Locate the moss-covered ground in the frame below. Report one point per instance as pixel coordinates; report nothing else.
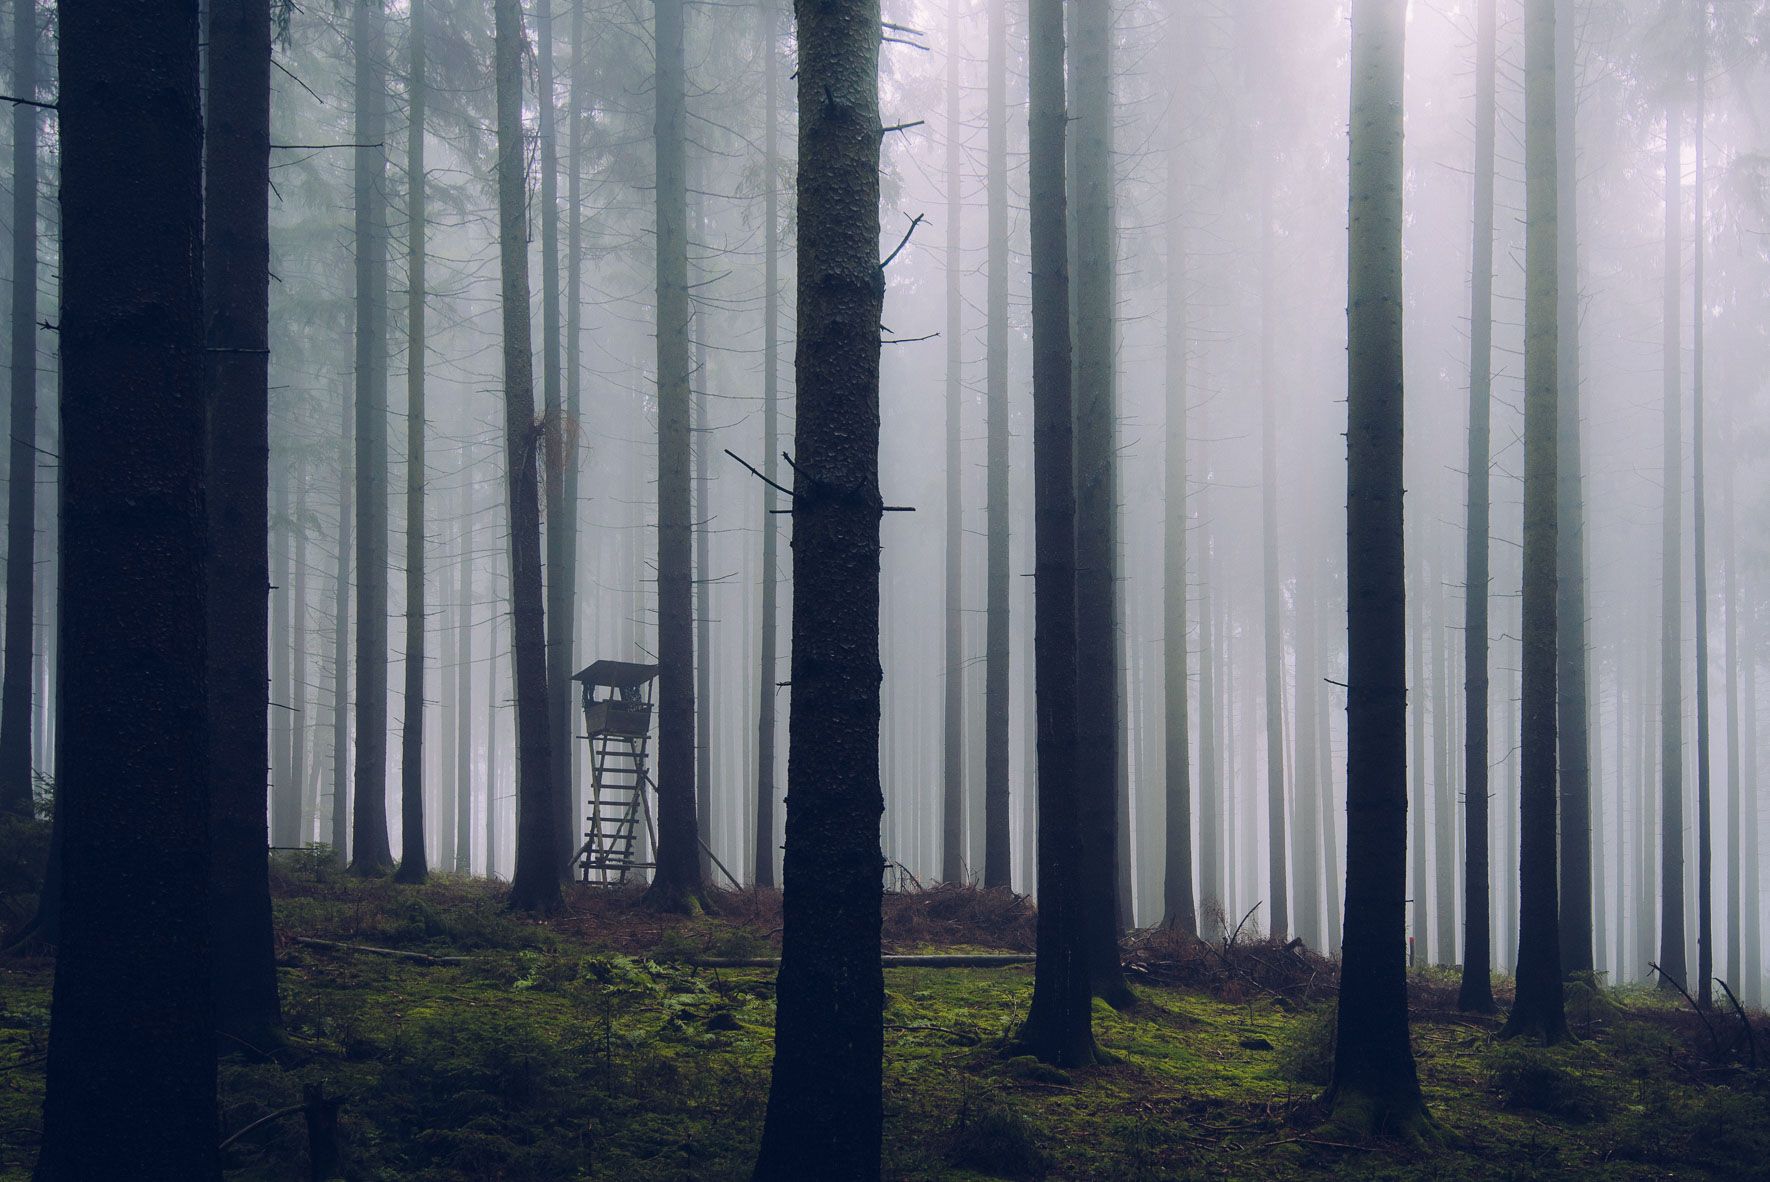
(588, 1048)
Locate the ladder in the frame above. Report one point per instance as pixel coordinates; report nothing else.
(620, 783)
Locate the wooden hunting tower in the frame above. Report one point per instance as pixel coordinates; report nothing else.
(617, 722)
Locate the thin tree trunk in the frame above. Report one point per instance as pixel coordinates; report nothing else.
(1705, 928)
(341, 646)
(1212, 894)
(534, 887)
(236, 534)
(303, 728)
(1374, 1082)
(1330, 841)
(562, 530)
(1730, 643)
(952, 777)
(464, 704)
(1272, 629)
(1671, 643)
(703, 572)
(370, 853)
(1751, 920)
(1420, 949)
(1444, 825)
(131, 1074)
(16, 781)
(1306, 856)
(998, 854)
(677, 884)
(825, 1103)
(766, 724)
(412, 864)
(1476, 991)
(1538, 1011)
(1178, 910)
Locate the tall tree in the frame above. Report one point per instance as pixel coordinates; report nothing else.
(1272, 630)
(1730, 604)
(131, 1070)
(370, 852)
(677, 884)
(562, 530)
(412, 864)
(998, 854)
(1705, 928)
(1538, 1012)
(1374, 1082)
(1671, 637)
(464, 704)
(825, 1101)
(16, 782)
(766, 724)
(1098, 676)
(952, 735)
(1476, 991)
(1573, 734)
(236, 280)
(1059, 1026)
(1178, 910)
(535, 884)
(339, 833)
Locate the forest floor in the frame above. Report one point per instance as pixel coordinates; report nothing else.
(589, 1047)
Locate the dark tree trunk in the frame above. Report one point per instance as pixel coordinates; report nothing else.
(1705, 928)
(1059, 1026)
(370, 852)
(1374, 1084)
(825, 1112)
(1574, 738)
(1476, 992)
(307, 789)
(677, 884)
(341, 647)
(1671, 638)
(766, 725)
(1538, 1011)
(16, 781)
(1730, 603)
(1098, 689)
(998, 855)
(1177, 899)
(412, 864)
(285, 795)
(131, 1081)
(236, 279)
(952, 732)
(534, 886)
(703, 571)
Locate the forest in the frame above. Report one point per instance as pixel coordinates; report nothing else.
(937, 589)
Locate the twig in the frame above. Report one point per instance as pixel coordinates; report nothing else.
(765, 480)
(263, 1120)
(898, 249)
(1679, 986)
(370, 950)
(1751, 1038)
(16, 101)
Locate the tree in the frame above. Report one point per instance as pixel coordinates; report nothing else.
(16, 782)
(1272, 630)
(952, 734)
(677, 884)
(412, 866)
(236, 280)
(1538, 1011)
(1476, 991)
(370, 853)
(1374, 1083)
(766, 724)
(341, 647)
(1671, 637)
(1705, 928)
(825, 1101)
(562, 529)
(998, 856)
(1574, 738)
(1098, 678)
(534, 886)
(131, 1072)
(1058, 1027)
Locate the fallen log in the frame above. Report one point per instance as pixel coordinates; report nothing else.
(982, 960)
(370, 950)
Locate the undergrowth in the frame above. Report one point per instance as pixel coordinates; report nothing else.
(590, 1047)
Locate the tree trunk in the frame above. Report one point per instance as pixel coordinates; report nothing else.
(464, 702)
(1730, 644)
(703, 569)
(1475, 994)
(1272, 629)
(562, 530)
(1538, 1012)
(1420, 948)
(1058, 1027)
(1444, 824)
(998, 857)
(300, 729)
(285, 796)
(1177, 898)
(236, 279)
(1671, 640)
(1705, 928)
(131, 1072)
(952, 734)
(766, 725)
(1374, 1084)
(1305, 854)
(341, 647)
(1099, 683)
(825, 1112)
(677, 884)
(1212, 894)
(412, 864)
(370, 853)
(16, 781)
(1753, 939)
(1330, 841)
(534, 887)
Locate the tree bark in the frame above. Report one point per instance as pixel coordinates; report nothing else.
(534, 887)
(1272, 629)
(952, 733)
(339, 833)
(131, 1074)
(1538, 1011)
(998, 857)
(825, 1113)
(1671, 641)
(1705, 928)
(767, 726)
(1178, 910)
(1374, 1083)
(562, 530)
(412, 864)
(464, 702)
